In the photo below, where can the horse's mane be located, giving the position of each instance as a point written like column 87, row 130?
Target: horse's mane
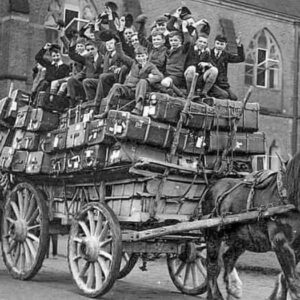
column 293, row 180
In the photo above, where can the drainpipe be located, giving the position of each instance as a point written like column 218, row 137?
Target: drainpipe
column 295, row 90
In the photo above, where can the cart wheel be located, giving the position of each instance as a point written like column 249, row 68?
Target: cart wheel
column 95, row 249
column 25, row 228
column 188, row 269
column 127, row 264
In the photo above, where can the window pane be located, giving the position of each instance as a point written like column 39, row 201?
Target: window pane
column 274, row 78
column 261, row 76
column 261, row 55
column 249, row 71
column 262, row 40
column 70, row 15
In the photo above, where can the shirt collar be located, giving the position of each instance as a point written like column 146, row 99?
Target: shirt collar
column 96, row 57
column 59, row 63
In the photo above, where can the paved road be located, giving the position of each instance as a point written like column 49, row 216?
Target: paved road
column 55, row 282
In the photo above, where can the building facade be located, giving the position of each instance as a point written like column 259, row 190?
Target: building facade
column 270, row 34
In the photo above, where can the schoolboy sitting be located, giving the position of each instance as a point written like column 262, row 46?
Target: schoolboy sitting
column 139, row 80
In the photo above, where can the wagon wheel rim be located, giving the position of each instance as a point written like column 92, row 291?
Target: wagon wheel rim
column 127, row 263
column 25, row 228
column 188, row 269
column 94, row 249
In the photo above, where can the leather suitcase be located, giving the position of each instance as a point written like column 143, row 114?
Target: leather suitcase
column 46, row 142
column 117, row 104
column 226, row 110
column 42, row 120
column 192, row 142
column 17, row 139
column 30, row 141
column 19, row 161
column 63, row 120
column 124, row 153
column 88, row 110
column 5, row 104
column 38, row 163
column 94, row 157
column 74, row 115
column 74, row 161
column 165, row 108
column 59, row 139
column 19, row 99
column 6, row 158
column 58, row 163
column 245, row 143
column 23, row 117
column 77, row 135
column 97, row 133
column 58, row 104
column 6, row 137
column 125, row 126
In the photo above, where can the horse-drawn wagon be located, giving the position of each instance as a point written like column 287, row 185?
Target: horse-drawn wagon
column 123, row 187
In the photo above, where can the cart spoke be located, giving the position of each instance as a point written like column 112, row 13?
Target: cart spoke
column 106, row 242
column 200, row 267
column 10, row 220
column 34, row 216
column 31, row 207
column 91, row 276
column 99, row 225
column 104, row 267
column 125, row 256
column 105, row 254
column 77, row 240
column 12, row 246
column 27, row 254
column 84, row 228
column 104, row 231
column 21, row 203
column 33, row 237
column 17, row 254
column 84, row 269
column 31, row 247
column 15, row 209
column 187, row 274
column 194, row 274
column 77, row 257
column 98, row 275
column 26, row 201
column 180, row 268
column 34, row 227
column 91, row 222
column 22, row 257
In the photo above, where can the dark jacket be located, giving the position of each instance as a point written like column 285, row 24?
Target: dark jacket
column 52, row 72
column 195, row 57
column 222, row 64
column 91, row 70
column 176, row 58
column 136, row 71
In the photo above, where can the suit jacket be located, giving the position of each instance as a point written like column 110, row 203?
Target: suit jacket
column 91, row 70
column 222, row 64
column 195, row 57
column 52, row 72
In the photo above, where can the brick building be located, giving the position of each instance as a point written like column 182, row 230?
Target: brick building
column 269, row 28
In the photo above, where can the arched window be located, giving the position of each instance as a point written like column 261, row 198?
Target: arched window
column 263, row 61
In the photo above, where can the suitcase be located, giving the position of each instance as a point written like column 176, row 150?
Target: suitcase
column 6, row 137
column 30, row 141
column 59, row 139
column 46, row 142
column 124, row 153
column 74, row 115
column 6, row 158
column 58, row 104
column 63, row 120
column 5, row 104
column 97, row 133
column 23, row 117
column 94, row 157
column 88, row 110
column 17, row 139
column 167, row 109
column 117, row 104
column 38, row 163
column 74, row 161
column 19, row 161
column 244, row 143
column 77, row 135
column 19, row 99
column 125, row 126
column 192, row 142
column 58, row 163
column 226, row 110
column 188, row 161
column 42, row 120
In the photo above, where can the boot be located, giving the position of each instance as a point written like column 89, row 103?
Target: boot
column 138, row 110
column 208, row 85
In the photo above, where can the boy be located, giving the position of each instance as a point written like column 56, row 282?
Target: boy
column 55, row 69
column 220, row 59
column 140, row 78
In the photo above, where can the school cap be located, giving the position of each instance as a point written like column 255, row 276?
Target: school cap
column 140, row 50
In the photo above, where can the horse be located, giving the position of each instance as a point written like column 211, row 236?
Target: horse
column 279, row 233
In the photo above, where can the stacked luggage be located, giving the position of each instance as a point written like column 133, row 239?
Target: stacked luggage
column 35, row 140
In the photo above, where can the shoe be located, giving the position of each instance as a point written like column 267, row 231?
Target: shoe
column 137, row 112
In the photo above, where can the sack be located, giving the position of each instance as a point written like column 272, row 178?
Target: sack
column 30, row 141
column 74, row 161
column 167, row 109
column 23, row 117
column 94, row 157
column 58, row 163
column 19, row 161
column 227, row 110
column 42, row 120
column 126, row 126
column 77, row 135
column 126, row 153
column 6, row 158
column 97, row 133
column 246, row 143
column 117, row 103
column 38, row 162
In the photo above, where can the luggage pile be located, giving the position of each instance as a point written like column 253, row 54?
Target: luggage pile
column 37, row 141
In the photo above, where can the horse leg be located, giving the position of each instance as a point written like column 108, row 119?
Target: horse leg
column 287, row 261
column 213, row 244
column 231, row 278
column 280, row 290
